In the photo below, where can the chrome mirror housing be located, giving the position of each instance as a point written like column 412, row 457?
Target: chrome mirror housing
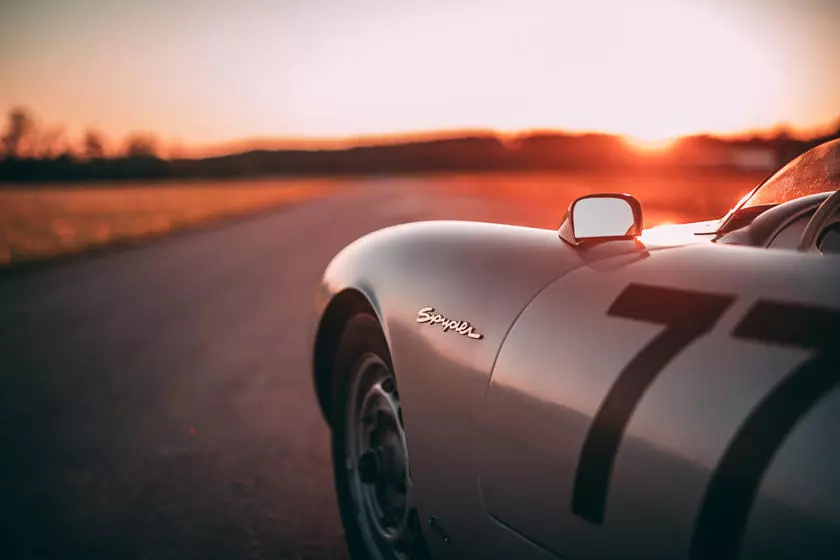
column 601, row 217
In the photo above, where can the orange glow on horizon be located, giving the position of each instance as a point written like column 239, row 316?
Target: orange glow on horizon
column 651, row 143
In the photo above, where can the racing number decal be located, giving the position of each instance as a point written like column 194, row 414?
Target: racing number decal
column 732, row 489
column 687, row 315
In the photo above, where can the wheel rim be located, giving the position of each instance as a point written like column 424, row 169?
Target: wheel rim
column 377, row 459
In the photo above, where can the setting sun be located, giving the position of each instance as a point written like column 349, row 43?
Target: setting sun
column 651, row 143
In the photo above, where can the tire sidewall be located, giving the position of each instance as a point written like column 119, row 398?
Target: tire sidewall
column 362, row 335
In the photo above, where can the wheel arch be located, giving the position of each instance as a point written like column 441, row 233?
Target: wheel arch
column 339, row 310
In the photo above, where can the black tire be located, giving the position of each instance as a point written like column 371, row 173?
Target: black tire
column 361, row 341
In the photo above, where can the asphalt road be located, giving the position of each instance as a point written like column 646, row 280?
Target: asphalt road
column 156, row 402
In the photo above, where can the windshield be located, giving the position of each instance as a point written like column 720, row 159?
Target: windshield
column 815, row 171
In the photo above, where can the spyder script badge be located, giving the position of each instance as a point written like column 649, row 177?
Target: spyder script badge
column 428, row 315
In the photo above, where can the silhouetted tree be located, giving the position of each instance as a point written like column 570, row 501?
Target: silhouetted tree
column 93, row 147
column 141, row 145
column 781, row 133
column 20, row 127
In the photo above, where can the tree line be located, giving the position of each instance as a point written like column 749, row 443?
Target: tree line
column 25, row 139
column 32, row 153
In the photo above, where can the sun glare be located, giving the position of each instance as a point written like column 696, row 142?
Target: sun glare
column 669, row 234
column 647, row 70
column 650, row 143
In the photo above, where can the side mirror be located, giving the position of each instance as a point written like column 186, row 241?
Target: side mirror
column 601, row 217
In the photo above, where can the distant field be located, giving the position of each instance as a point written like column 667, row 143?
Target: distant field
column 38, row 222
column 45, row 221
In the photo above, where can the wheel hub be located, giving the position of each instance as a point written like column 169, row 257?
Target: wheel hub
column 378, row 457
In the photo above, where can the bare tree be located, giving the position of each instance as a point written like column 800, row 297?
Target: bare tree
column 20, row 128
column 141, row 145
column 93, row 146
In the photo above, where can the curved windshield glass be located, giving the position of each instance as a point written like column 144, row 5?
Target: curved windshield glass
column 815, row 171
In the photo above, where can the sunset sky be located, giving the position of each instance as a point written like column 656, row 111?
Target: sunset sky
column 204, row 72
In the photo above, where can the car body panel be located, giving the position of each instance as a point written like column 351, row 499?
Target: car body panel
column 477, row 272
column 495, row 425
column 564, row 354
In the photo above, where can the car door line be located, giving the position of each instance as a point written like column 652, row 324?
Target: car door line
column 582, row 265
column 734, row 484
column 686, row 315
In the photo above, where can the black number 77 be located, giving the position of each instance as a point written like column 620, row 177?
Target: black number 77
column 687, row 315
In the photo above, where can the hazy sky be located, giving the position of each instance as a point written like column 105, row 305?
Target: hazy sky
column 208, row 71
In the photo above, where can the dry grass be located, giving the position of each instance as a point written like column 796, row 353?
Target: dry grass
column 45, row 221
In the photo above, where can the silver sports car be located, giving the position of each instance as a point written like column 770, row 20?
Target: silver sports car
column 601, row 391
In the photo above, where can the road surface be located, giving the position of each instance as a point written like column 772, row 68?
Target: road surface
column 156, row 402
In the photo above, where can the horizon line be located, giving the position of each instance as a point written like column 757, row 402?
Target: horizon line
column 173, row 147
column 315, row 143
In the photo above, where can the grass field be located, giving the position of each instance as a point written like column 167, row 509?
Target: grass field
column 45, row 221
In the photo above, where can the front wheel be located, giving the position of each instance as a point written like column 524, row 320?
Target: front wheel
column 370, row 455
